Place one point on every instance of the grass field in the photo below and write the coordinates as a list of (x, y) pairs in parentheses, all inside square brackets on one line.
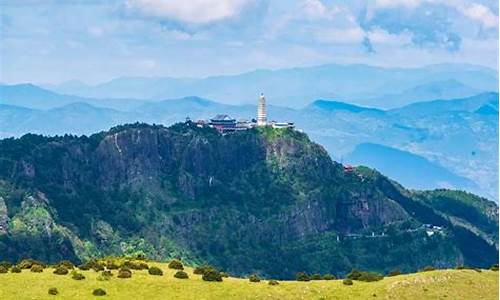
[(441, 284)]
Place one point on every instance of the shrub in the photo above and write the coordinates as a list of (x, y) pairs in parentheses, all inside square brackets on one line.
[(175, 264), (155, 271), (254, 278), (394, 272), (181, 275), (85, 266), (53, 291), (124, 273), (494, 267), (347, 281), (65, 263), (99, 292), (15, 269), (37, 268), (370, 276), (302, 276), (354, 274), (98, 267), (111, 265), (200, 270), (478, 270), (273, 282), (143, 265), (77, 276), (316, 276), (61, 270), (460, 267), (105, 275), (211, 274), (224, 274), (140, 256), (3, 269), (6, 264), (329, 277), (428, 268), (28, 263)]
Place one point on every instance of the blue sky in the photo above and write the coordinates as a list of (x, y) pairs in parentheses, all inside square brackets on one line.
[(46, 41)]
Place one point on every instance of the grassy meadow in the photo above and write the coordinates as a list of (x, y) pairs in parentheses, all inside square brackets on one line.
[(439, 284)]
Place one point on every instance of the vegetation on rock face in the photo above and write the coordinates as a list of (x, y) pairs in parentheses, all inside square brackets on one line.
[(77, 198)]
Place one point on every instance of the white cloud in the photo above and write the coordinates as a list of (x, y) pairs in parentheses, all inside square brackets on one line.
[(396, 3), (192, 11), (480, 13), (350, 35)]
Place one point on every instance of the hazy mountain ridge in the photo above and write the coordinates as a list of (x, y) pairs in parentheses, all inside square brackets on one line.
[(296, 87)]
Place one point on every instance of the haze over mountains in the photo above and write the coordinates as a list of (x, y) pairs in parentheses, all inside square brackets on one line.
[(297, 87), (438, 143)]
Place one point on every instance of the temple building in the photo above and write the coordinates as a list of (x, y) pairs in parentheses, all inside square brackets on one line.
[(223, 123)]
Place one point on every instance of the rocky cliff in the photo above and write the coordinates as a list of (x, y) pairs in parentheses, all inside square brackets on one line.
[(264, 200)]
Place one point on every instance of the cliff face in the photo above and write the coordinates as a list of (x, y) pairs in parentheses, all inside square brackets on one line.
[(267, 201)]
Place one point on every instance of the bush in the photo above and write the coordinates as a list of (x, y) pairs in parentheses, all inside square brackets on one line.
[(254, 278), (494, 267), (478, 270), (15, 269), (124, 273), (175, 264), (85, 266), (77, 276), (155, 271), (394, 272), (181, 275), (364, 276), (111, 265), (460, 267), (347, 281), (428, 268), (3, 269), (140, 256), (329, 277), (65, 263), (37, 268), (98, 267), (370, 276), (105, 275), (316, 276), (302, 276), (6, 264), (354, 274), (28, 263), (211, 274), (273, 282), (53, 291), (99, 292), (61, 270), (200, 270), (224, 274)]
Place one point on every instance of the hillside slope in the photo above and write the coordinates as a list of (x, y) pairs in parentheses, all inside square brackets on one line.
[(266, 201), (449, 284)]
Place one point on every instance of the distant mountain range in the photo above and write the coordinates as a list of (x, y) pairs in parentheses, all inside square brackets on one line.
[(297, 87)]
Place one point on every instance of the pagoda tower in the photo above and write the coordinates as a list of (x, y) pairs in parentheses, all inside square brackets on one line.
[(261, 111)]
